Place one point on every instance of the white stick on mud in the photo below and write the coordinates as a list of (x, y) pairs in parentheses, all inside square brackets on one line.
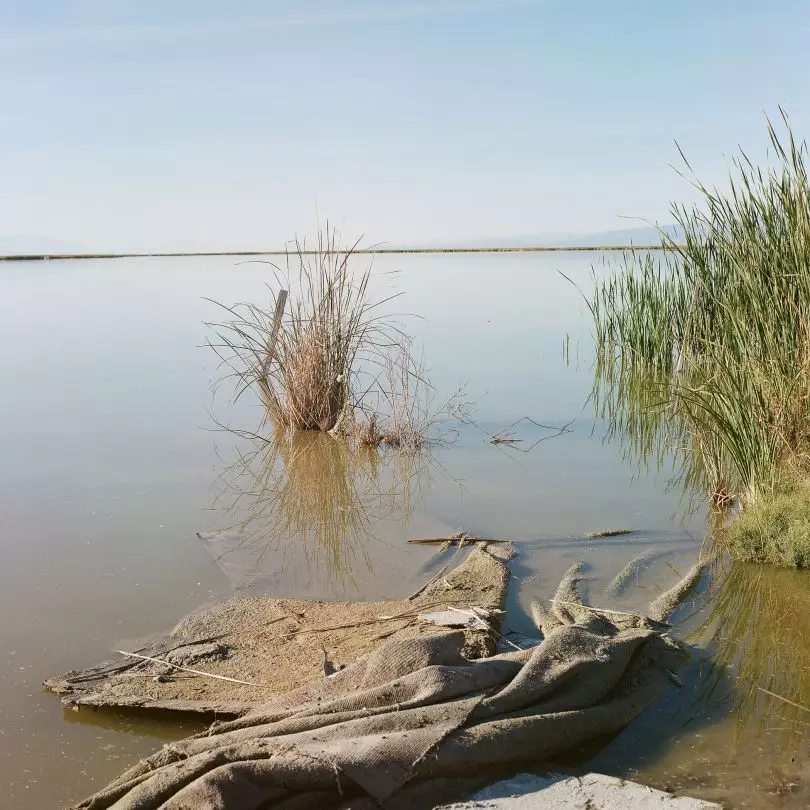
[(188, 669)]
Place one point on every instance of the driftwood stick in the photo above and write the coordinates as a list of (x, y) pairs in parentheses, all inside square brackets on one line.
[(508, 438), (96, 673), (454, 540), (188, 669)]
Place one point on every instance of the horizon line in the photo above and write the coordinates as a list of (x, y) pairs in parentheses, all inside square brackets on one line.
[(28, 257)]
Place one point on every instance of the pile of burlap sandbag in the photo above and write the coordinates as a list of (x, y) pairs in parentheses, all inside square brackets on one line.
[(415, 723)]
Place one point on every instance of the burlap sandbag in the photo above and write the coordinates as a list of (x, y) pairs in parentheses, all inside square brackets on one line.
[(415, 722)]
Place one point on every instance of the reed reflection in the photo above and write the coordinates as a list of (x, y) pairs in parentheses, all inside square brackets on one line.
[(312, 497)]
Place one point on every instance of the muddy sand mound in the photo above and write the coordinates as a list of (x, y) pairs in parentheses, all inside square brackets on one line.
[(249, 650)]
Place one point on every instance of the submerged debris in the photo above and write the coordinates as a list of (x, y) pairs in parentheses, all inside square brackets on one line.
[(454, 540), (609, 533), (507, 436)]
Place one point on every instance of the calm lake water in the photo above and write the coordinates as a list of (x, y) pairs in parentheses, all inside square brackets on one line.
[(113, 461)]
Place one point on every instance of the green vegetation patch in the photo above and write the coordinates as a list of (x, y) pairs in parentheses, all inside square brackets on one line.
[(775, 528)]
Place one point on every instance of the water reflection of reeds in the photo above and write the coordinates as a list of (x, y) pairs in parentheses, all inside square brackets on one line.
[(757, 631), (307, 493)]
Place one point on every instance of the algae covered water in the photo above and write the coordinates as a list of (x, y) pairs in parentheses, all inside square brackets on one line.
[(122, 489)]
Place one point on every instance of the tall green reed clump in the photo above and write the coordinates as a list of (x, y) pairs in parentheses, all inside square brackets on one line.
[(705, 353)]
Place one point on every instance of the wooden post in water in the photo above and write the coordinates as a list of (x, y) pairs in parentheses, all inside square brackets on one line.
[(272, 337)]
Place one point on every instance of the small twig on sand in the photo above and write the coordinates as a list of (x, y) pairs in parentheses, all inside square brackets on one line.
[(389, 633), (411, 612), (433, 579), (102, 671), (365, 622), (188, 669), (148, 675)]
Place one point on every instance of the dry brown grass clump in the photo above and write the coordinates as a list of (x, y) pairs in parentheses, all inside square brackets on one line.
[(331, 360), (314, 393), (402, 409)]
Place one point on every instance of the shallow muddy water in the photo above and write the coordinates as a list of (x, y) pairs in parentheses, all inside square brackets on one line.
[(113, 461)]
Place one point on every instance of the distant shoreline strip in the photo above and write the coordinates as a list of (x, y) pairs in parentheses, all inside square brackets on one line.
[(32, 257)]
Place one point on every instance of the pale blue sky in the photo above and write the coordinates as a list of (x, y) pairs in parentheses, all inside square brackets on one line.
[(170, 125)]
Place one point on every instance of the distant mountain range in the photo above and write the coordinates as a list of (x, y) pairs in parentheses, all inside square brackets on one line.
[(628, 236)]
